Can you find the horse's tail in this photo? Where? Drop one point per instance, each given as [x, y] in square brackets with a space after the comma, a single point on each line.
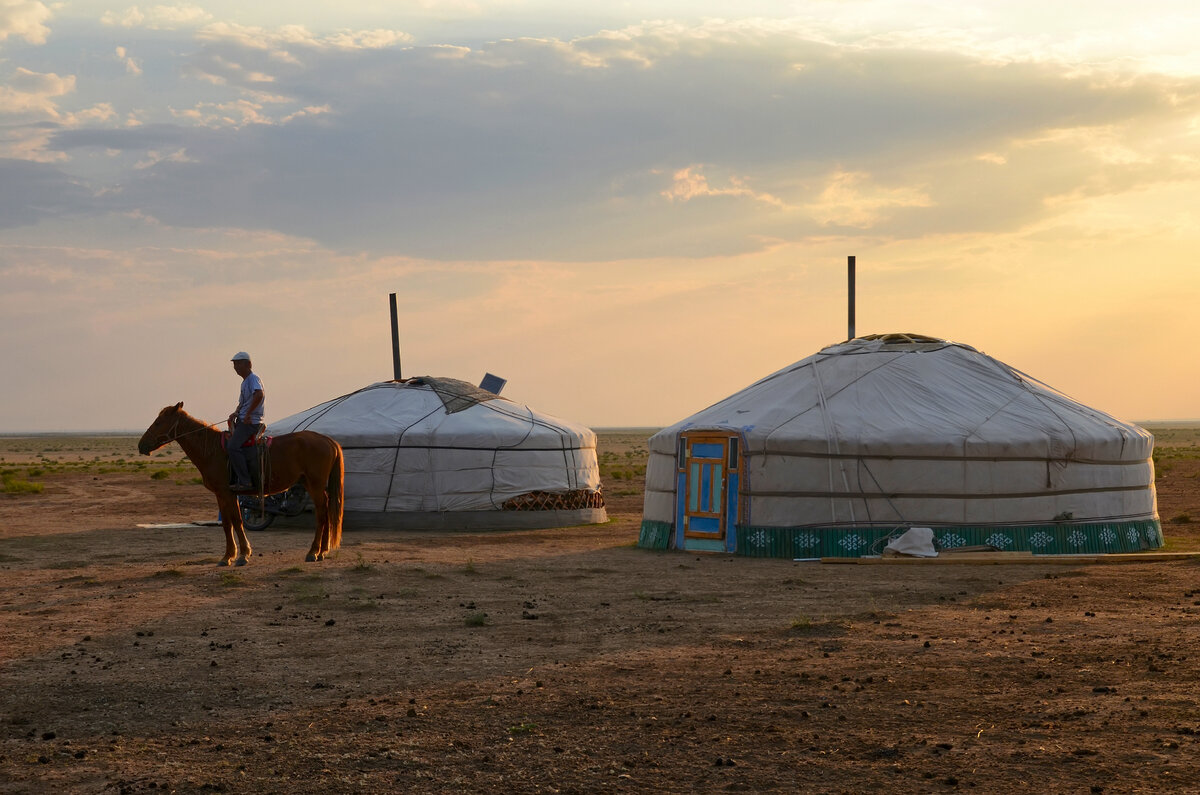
[334, 493]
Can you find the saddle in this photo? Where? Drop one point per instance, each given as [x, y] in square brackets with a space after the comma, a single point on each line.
[259, 437]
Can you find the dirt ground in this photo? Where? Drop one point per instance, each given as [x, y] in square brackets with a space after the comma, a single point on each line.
[566, 660]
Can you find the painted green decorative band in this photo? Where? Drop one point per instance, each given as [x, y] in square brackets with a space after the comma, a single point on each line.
[855, 542]
[654, 535]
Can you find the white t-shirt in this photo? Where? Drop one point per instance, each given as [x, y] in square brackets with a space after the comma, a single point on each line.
[251, 384]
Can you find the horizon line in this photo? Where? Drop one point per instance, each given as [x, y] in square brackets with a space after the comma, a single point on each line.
[132, 432]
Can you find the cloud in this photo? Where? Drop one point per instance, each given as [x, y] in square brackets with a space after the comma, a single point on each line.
[24, 19]
[659, 139]
[30, 143]
[160, 17]
[35, 192]
[132, 66]
[154, 156]
[246, 57]
[691, 183]
[29, 93]
[851, 199]
[237, 113]
[279, 40]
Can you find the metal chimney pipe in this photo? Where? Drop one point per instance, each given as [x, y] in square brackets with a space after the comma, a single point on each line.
[395, 340]
[850, 277]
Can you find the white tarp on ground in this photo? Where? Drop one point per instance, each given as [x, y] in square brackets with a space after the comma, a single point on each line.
[436, 444]
[905, 429]
[915, 541]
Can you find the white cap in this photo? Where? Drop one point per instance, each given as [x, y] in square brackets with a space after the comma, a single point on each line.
[240, 356]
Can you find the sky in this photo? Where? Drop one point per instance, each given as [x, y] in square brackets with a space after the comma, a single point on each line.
[627, 210]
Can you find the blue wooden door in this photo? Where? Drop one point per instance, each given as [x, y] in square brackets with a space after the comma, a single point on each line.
[707, 492]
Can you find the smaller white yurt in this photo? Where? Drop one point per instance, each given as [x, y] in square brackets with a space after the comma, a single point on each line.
[842, 451]
[439, 453]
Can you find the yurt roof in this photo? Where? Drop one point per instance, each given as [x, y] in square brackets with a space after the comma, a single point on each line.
[911, 394]
[434, 411]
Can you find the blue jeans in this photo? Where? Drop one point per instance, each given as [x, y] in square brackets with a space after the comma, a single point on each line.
[237, 456]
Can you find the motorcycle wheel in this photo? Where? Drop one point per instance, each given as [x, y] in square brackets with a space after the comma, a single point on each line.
[255, 515]
[295, 500]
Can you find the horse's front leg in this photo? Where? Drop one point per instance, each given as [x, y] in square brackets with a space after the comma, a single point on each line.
[227, 505]
[239, 532]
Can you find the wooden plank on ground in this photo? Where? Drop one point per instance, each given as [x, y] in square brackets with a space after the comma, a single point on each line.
[1025, 558]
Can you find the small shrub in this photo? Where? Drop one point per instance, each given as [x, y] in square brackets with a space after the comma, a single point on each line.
[476, 619]
[522, 728]
[15, 485]
[1182, 518]
[801, 624]
[160, 474]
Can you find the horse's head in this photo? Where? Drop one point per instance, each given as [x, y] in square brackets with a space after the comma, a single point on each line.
[163, 430]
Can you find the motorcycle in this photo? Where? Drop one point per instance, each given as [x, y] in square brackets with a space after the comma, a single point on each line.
[259, 512]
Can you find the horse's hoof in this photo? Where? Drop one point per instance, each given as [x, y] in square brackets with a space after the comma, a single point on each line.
[240, 562]
[224, 562]
[310, 557]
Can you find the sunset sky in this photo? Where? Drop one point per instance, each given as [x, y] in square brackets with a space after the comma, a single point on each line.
[628, 210]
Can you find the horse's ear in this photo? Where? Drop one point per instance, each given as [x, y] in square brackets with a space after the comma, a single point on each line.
[179, 405]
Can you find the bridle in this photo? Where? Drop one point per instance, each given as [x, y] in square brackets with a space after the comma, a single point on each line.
[167, 437]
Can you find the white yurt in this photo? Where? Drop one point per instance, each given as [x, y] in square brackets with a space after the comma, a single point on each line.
[842, 451]
[439, 453]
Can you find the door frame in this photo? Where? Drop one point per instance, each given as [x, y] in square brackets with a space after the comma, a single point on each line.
[722, 504]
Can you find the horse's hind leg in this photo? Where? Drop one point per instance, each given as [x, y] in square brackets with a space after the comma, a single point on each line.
[320, 544]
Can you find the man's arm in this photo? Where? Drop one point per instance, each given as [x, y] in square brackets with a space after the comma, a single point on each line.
[256, 400]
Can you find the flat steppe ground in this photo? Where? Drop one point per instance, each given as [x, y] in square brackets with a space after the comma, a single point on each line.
[565, 660]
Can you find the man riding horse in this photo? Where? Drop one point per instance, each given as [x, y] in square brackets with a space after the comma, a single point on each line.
[244, 421]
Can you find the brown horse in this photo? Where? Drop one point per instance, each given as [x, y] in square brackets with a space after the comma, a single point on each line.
[306, 455]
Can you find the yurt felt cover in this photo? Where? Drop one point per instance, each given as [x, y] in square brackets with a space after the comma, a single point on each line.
[438, 444]
[877, 434]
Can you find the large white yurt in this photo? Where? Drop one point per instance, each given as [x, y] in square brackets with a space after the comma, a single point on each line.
[439, 453]
[837, 453]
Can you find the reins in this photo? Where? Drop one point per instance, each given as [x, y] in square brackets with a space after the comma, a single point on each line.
[167, 437]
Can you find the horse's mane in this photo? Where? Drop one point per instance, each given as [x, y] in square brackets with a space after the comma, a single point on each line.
[187, 416]
[195, 421]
